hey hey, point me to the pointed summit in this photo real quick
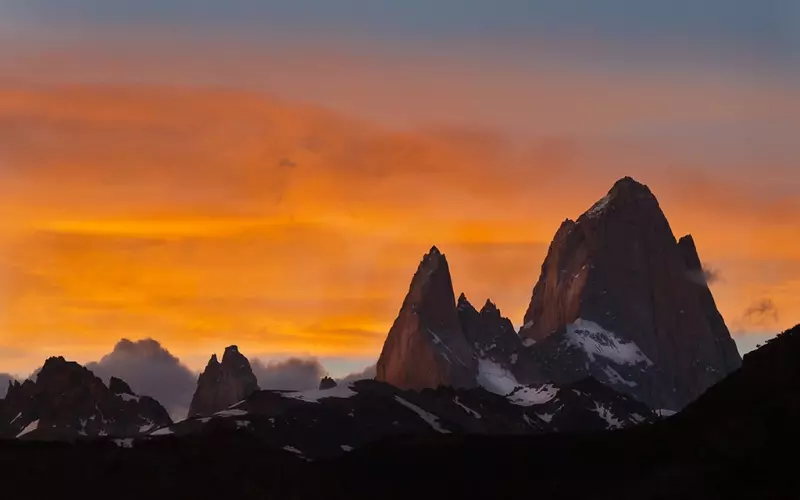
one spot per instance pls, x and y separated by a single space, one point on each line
425 347
490 308
463 302
223 384
619 277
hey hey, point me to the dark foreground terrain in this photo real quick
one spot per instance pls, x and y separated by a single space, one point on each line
739 440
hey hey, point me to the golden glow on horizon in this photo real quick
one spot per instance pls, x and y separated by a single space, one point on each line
204 218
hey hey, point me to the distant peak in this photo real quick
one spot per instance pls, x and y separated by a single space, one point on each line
232 348
489 307
213 360
119 386
434 251
462 299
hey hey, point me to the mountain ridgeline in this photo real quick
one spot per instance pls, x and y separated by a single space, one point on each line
619 299
621 323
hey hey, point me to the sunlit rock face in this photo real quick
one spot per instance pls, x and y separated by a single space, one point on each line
426 347
619 299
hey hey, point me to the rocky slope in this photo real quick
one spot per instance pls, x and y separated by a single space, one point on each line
223 384
621 300
67 401
425 347
496 346
330 422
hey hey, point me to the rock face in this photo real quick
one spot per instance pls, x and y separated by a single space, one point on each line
619 299
495 341
223 384
326 383
67 401
426 347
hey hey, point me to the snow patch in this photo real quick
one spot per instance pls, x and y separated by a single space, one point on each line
437 340
531 396
547 417
514 359
129 397
605 414
430 418
292 449
204 420
528 342
162 432
528 420
241 424
230 413
237 404
346 447
314 395
616 378
29 428
637 418
496 379
142 428
124 443
665 412
597 341
599 207
15 418
470 411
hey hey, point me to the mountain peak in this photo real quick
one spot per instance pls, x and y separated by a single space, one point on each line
119 386
621 269
489 307
425 347
463 301
223 384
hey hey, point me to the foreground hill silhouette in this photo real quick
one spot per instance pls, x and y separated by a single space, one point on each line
735 441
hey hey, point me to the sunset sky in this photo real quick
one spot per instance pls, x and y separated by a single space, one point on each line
270 173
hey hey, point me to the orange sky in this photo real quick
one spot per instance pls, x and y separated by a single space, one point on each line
207 217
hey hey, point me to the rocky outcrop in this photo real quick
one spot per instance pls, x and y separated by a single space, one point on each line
494 339
615 300
326 383
67 401
426 347
223 384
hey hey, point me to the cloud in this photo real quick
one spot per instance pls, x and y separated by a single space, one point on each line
292 374
711 275
761 313
707 276
5 378
150 370
368 373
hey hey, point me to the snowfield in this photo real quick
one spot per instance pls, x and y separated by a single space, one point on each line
314 395
597 341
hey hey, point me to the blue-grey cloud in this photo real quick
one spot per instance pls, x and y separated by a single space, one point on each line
367 373
5 378
296 374
732 26
150 370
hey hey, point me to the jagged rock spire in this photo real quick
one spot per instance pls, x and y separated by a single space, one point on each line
425 347
223 384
